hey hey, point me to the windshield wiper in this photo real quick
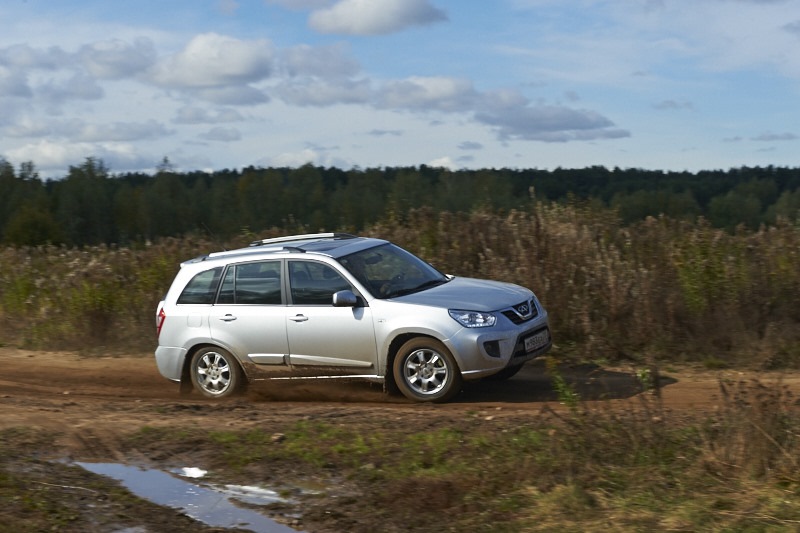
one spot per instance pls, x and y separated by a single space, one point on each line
427 285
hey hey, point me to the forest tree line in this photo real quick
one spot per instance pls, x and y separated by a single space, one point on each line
91 205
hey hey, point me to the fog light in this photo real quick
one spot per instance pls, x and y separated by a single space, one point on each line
492 348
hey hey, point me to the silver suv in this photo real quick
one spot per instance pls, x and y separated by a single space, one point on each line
335 305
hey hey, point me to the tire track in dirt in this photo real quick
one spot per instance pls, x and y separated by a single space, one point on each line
89 401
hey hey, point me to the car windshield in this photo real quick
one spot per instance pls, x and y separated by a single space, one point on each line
388 271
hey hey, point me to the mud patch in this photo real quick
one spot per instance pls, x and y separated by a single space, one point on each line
208 504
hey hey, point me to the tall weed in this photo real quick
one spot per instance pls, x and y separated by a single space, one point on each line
658 290
662 289
755 433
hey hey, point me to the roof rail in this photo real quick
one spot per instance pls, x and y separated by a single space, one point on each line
306 237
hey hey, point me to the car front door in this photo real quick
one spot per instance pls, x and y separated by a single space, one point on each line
324 339
249 316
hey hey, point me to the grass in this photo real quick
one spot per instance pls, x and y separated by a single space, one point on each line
42 495
587 468
584 469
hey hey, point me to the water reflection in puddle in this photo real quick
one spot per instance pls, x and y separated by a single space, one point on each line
209 505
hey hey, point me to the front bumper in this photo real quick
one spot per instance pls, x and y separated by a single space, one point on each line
481 352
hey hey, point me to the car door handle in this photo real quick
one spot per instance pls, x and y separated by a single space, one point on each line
298 318
227 318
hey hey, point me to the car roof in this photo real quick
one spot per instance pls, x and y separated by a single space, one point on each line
329 244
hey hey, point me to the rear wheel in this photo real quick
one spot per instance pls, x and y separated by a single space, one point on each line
425 371
216 373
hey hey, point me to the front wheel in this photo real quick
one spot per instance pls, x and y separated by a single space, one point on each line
216 373
425 371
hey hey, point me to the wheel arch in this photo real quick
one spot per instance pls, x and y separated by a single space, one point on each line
394 347
186 375
424 371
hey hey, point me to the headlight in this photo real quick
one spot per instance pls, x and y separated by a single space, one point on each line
473 319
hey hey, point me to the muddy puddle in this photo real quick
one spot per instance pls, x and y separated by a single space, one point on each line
213 505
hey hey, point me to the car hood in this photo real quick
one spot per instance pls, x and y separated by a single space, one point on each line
470 294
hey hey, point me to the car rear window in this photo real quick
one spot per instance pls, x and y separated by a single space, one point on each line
202 288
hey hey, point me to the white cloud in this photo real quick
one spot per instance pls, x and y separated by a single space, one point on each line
119 131
374 17
232 95
428 93
470 145
48 155
550 123
25 56
228 7
78 87
321 76
673 105
199 115
443 162
669 39
722 35
793 28
221 134
294 159
79 131
313 92
382 133
27 126
322 61
508 77
117 59
211 60
771 137
14 83
503 99
300 5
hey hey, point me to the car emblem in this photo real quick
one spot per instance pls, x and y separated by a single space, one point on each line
523 309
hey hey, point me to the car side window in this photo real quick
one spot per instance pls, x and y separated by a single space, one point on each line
314 283
252 283
202 288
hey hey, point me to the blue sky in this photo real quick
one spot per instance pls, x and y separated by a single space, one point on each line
216 84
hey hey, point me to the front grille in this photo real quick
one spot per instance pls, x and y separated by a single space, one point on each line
522 312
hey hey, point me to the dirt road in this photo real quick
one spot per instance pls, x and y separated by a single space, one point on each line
92 398
91 402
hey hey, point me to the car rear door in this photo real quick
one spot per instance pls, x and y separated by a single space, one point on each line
249 316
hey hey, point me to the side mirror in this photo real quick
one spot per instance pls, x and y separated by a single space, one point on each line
344 299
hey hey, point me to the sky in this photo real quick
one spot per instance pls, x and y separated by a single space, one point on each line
464 84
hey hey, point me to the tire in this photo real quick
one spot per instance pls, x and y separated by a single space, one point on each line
216 373
507 373
425 371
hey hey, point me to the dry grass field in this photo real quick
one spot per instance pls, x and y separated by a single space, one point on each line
669 401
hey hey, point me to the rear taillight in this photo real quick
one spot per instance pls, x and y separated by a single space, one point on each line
160 318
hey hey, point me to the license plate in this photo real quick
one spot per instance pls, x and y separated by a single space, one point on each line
537 340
